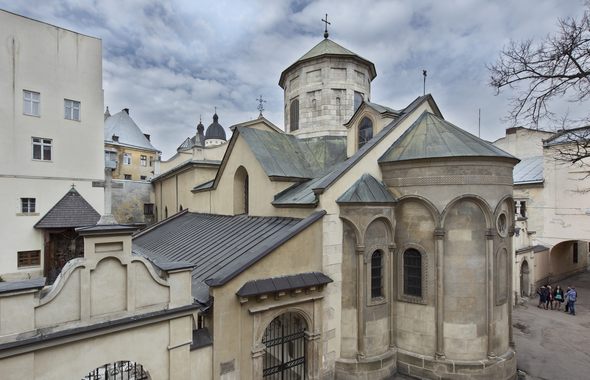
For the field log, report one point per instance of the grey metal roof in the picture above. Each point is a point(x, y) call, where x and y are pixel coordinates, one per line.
point(432, 137)
point(284, 155)
point(283, 284)
point(304, 195)
point(528, 171)
point(327, 47)
point(121, 124)
point(215, 130)
point(105, 229)
point(204, 186)
point(366, 190)
point(568, 136)
point(219, 246)
point(13, 286)
point(381, 109)
point(70, 211)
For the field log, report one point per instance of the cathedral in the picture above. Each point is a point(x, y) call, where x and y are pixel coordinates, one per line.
point(360, 242)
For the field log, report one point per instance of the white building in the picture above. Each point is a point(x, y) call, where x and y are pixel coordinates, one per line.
point(51, 132)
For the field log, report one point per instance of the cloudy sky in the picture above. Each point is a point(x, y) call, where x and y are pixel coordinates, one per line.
point(172, 61)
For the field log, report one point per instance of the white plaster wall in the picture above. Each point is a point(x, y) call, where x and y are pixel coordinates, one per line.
point(59, 64)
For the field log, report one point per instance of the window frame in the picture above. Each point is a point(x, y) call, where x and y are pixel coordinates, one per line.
point(147, 207)
point(31, 101)
point(363, 126)
point(381, 276)
point(127, 157)
point(143, 160)
point(401, 291)
point(70, 110)
point(127, 177)
point(43, 143)
point(28, 210)
point(29, 261)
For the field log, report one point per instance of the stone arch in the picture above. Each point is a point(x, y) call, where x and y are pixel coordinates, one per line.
point(241, 191)
point(566, 258)
point(479, 201)
point(357, 233)
point(269, 317)
point(371, 237)
point(525, 285)
point(426, 203)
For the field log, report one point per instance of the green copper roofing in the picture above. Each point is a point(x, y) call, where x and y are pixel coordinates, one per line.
point(434, 137)
point(328, 47)
point(366, 190)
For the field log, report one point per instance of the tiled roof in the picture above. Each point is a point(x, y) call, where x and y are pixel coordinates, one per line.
point(283, 284)
point(366, 190)
point(529, 171)
point(121, 125)
point(71, 211)
point(432, 137)
point(219, 246)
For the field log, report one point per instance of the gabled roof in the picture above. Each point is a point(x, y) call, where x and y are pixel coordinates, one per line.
point(529, 171)
point(382, 110)
point(433, 137)
point(121, 125)
point(304, 195)
point(327, 47)
point(220, 246)
point(366, 190)
point(259, 120)
point(70, 211)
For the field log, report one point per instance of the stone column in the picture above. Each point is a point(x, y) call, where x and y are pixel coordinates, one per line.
point(490, 289)
point(510, 289)
point(439, 236)
point(360, 300)
point(392, 297)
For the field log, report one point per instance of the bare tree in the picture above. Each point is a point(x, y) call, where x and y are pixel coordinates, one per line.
point(556, 67)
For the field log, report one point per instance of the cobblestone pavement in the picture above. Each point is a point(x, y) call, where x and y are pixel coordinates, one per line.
point(553, 345)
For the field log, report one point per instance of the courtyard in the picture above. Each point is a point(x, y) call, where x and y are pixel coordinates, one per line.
point(553, 345)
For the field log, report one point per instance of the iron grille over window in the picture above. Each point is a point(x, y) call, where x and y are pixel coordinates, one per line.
point(284, 354)
point(413, 273)
point(365, 131)
point(377, 274)
point(148, 209)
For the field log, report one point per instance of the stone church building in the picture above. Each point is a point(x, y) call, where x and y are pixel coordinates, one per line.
point(361, 242)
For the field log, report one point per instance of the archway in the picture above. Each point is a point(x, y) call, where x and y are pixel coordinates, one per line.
point(285, 354)
point(121, 370)
point(524, 279)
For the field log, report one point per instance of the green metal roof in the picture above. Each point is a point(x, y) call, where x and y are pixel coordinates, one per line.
point(434, 137)
point(327, 47)
point(366, 190)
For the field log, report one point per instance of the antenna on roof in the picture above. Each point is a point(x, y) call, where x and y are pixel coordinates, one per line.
point(327, 23)
point(424, 73)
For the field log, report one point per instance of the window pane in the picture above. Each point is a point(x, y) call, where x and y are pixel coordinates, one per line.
point(47, 152)
point(35, 110)
point(376, 275)
point(76, 113)
point(37, 152)
point(413, 273)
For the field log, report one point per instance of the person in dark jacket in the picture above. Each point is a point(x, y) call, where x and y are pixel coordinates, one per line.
point(572, 297)
point(558, 297)
point(542, 292)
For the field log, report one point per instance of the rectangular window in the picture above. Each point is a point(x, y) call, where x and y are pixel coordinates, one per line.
point(41, 149)
point(128, 176)
point(143, 178)
point(148, 209)
point(151, 161)
point(31, 103)
point(575, 252)
point(71, 110)
point(27, 205)
point(143, 160)
point(28, 258)
point(127, 158)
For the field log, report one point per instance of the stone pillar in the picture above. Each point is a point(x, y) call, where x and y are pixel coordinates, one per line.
point(360, 300)
point(392, 297)
point(439, 236)
point(490, 289)
point(511, 290)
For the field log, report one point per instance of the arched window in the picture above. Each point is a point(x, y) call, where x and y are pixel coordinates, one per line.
point(377, 274)
point(241, 191)
point(412, 273)
point(365, 131)
point(285, 351)
point(294, 115)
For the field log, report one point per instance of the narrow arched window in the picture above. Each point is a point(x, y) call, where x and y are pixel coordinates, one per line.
point(180, 208)
point(165, 212)
point(294, 115)
point(241, 191)
point(377, 274)
point(413, 273)
point(365, 131)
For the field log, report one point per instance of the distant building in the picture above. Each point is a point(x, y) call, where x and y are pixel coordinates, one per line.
point(51, 137)
point(136, 156)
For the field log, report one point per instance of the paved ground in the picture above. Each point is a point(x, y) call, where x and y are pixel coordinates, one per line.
point(553, 345)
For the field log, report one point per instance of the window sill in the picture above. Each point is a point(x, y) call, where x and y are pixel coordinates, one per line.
point(412, 299)
point(78, 120)
point(39, 160)
point(30, 114)
point(377, 301)
point(27, 214)
point(30, 267)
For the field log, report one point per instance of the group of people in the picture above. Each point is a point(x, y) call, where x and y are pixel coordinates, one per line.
point(553, 298)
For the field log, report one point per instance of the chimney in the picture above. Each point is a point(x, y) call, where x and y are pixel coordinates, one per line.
point(147, 136)
point(126, 110)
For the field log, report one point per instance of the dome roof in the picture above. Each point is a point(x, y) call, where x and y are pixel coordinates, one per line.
point(215, 130)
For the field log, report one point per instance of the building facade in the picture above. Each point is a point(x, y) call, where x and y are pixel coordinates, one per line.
point(51, 132)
